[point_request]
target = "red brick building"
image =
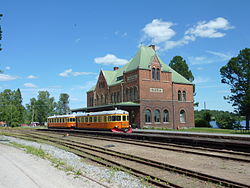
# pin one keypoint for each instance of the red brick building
(154, 94)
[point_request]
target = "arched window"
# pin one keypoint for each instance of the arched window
(158, 74)
(127, 94)
(97, 100)
(112, 98)
(131, 94)
(157, 116)
(153, 73)
(148, 116)
(165, 116)
(101, 99)
(118, 96)
(135, 93)
(182, 116)
(115, 98)
(179, 95)
(184, 95)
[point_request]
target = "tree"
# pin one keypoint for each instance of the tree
(42, 107)
(226, 121)
(180, 66)
(63, 104)
(236, 73)
(11, 109)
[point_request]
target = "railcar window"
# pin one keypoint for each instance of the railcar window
(99, 119)
(109, 118)
(72, 119)
(95, 119)
(118, 118)
(113, 118)
(105, 118)
(123, 118)
(90, 119)
(127, 118)
(86, 120)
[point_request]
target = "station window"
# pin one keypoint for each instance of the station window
(184, 95)
(165, 116)
(148, 116)
(179, 95)
(153, 73)
(182, 116)
(157, 116)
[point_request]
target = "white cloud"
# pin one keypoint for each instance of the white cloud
(69, 72)
(158, 31)
(210, 29)
(110, 59)
(7, 68)
(222, 56)
(30, 85)
(200, 68)
(200, 60)
(200, 80)
(6, 77)
(32, 77)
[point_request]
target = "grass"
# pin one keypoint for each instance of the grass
(204, 130)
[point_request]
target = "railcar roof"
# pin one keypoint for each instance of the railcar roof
(103, 113)
(63, 116)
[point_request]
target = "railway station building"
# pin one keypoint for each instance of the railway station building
(152, 92)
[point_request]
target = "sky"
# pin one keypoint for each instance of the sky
(61, 45)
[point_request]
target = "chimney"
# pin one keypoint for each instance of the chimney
(116, 68)
(152, 46)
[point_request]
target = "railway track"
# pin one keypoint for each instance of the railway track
(216, 153)
(129, 162)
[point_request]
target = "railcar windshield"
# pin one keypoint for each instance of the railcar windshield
(72, 119)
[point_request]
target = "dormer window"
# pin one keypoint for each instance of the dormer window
(158, 74)
(153, 73)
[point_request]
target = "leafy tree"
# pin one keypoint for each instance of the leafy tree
(225, 121)
(236, 73)
(63, 104)
(42, 107)
(207, 116)
(11, 109)
(180, 66)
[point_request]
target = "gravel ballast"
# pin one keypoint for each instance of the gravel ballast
(108, 177)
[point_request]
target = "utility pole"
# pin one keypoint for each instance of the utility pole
(0, 32)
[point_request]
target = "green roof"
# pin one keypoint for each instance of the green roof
(142, 60)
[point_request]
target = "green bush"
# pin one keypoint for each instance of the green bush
(226, 121)
(202, 123)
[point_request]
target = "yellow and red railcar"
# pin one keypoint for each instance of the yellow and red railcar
(62, 121)
(114, 120)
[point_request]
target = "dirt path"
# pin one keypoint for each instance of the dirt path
(21, 170)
